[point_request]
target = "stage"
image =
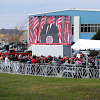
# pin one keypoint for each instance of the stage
(53, 50)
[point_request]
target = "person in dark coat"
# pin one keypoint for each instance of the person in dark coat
(49, 28)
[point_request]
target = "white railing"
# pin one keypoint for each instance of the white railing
(68, 71)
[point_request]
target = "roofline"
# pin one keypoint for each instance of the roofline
(66, 10)
(48, 12)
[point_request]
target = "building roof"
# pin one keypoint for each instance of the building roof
(67, 10)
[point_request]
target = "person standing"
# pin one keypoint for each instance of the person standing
(49, 28)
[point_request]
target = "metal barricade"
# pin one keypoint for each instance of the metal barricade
(5, 67)
(1, 64)
(67, 71)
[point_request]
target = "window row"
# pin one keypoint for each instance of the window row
(88, 28)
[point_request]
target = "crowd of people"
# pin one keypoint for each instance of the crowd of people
(49, 59)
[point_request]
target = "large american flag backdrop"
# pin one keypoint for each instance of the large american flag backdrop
(63, 24)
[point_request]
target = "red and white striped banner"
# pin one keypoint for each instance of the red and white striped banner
(65, 32)
(53, 20)
(68, 23)
(36, 24)
(58, 23)
(31, 23)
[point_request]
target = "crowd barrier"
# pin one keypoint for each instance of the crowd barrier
(67, 70)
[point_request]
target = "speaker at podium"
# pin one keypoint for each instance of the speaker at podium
(49, 38)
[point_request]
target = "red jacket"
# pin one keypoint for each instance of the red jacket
(33, 61)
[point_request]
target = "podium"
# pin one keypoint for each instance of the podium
(49, 38)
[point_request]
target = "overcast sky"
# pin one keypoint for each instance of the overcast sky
(14, 12)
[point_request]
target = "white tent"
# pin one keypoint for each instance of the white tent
(83, 44)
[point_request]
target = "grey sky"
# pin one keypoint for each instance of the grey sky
(14, 12)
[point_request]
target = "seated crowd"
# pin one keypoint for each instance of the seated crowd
(49, 59)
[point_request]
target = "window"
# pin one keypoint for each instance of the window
(72, 29)
(85, 29)
(92, 29)
(88, 28)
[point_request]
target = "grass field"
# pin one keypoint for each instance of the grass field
(22, 87)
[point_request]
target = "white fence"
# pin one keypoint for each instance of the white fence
(68, 71)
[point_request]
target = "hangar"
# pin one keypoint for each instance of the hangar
(85, 22)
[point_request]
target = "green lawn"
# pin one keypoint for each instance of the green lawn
(24, 87)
